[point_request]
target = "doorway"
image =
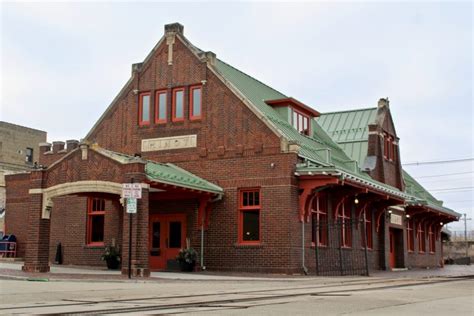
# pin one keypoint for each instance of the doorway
(396, 248)
(167, 237)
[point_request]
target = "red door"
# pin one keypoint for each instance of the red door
(167, 237)
(392, 250)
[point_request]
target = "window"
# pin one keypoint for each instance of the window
(144, 109)
(249, 216)
(421, 239)
(178, 105)
(300, 122)
(410, 239)
(320, 220)
(344, 217)
(195, 102)
(160, 107)
(95, 221)
(29, 155)
(431, 240)
(368, 231)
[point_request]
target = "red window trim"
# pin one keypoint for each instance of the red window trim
(322, 242)
(140, 109)
(191, 103)
(421, 239)
(243, 209)
(410, 237)
(431, 241)
(173, 111)
(90, 214)
(297, 127)
(343, 218)
(157, 106)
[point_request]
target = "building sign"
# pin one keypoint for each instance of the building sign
(395, 219)
(167, 143)
(132, 190)
(132, 206)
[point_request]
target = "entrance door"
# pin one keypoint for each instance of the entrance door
(167, 237)
(392, 250)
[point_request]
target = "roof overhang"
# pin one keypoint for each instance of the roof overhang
(295, 104)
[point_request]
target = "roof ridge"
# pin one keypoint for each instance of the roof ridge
(347, 111)
(266, 85)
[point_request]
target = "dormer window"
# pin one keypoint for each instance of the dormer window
(299, 114)
(389, 148)
(300, 122)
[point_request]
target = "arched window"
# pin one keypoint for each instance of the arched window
(367, 231)
(319, 219)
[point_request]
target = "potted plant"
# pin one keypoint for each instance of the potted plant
(112, 257)
(187, 258)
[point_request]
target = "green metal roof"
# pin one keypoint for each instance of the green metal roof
(167, 173)
(174, 175)
(348, 126)
(313, 148)
(350, 130)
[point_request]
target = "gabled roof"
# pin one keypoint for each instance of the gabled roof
(313, 148)
(350, 130)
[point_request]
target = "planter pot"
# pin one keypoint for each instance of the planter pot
(187, 267)
(113, 264)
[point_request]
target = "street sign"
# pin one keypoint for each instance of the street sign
(132, 206)
(131, 190)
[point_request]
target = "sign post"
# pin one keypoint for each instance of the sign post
(131, 192)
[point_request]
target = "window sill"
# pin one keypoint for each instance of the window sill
(432, 253)
(95, 245)
(248, 245)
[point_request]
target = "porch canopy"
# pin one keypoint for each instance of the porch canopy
(168, 181)
(345, 184)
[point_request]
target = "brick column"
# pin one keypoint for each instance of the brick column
(140, 261)
(37, 244)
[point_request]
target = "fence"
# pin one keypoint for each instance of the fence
(341, 248)
(458, 235)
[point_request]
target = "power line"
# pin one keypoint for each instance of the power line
(418, 163)
(450, 189)
(444, 175)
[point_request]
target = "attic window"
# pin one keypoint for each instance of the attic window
(300, 122)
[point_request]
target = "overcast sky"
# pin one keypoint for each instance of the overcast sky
(62, 64)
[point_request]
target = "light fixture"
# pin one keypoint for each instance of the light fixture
(441, 223)
(389, 211)
(356, 201)
(407, 216)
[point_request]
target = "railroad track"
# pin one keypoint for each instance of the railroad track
(225, 300)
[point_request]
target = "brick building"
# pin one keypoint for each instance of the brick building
(18, 152)
(256, 180)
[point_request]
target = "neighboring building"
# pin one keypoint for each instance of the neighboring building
(256, 180)
(18, 152)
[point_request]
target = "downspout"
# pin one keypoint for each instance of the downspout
(217, 198)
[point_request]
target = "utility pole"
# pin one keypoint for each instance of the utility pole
(465, 233)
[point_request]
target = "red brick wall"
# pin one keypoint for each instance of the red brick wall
(68, 227)
(17, 205)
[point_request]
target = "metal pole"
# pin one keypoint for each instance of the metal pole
(202, 245)
(130, 243)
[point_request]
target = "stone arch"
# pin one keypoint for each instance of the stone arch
(74, 188)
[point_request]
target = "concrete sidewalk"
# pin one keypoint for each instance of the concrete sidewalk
(12, 270)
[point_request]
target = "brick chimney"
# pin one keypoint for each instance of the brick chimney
(72, 144)
(44, 148)
(383, 102)
(58, 146)
(174, 28)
